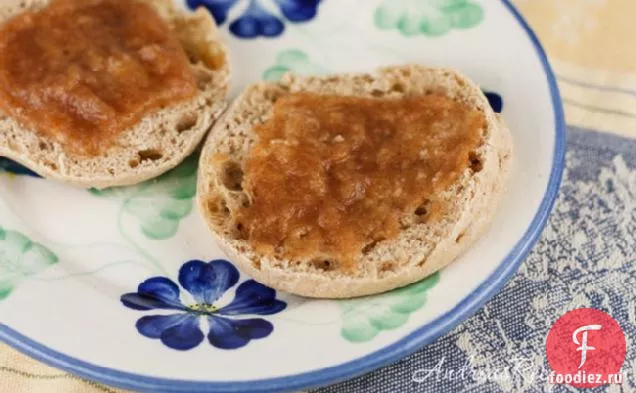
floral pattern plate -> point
(125, 286)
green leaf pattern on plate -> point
(292, 60)
(364, 318)
(20, 258)
(428, 17)
(160, 204)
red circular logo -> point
(586, 348)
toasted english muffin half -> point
(419, 250)
(159, 141)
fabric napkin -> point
(587, 254)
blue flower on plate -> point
(229, 325)
(495, 100)
(257, 20)
(14, 168)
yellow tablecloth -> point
(590, 48)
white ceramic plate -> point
(72, 261)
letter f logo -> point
(583, 344)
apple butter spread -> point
(82, 71)
(330, 175)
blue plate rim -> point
(422, 336)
